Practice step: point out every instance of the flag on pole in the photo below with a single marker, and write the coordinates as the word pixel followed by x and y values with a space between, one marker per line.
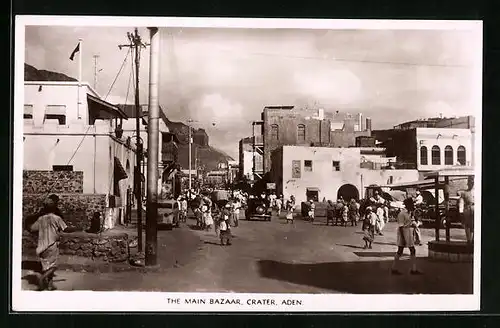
pixel 77 49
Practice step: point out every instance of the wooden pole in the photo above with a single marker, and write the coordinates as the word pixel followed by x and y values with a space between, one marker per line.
pixel 436 195
pixel 447 207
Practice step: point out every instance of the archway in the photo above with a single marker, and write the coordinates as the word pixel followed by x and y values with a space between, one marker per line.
pixel 348 191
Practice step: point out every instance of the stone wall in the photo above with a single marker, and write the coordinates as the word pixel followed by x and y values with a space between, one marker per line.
pixel 42 182
pixel 104 247
pixel 77 209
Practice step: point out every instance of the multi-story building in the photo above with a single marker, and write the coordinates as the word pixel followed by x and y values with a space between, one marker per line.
pixel 287 125
pixel 250 157
pixel 67 126
pixel 429 149
pixel 326 173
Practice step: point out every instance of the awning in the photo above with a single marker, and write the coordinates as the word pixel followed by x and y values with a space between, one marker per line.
pixel 312 189
pixel 100 109
pixel 458 171
pixel 412 184
pixel 120 172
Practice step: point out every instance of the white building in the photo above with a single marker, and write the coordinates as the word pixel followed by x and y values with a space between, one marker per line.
pixel 69 125
pixel 325 173
pixel 439 148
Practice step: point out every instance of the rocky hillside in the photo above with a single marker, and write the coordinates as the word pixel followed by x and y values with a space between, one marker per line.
pixel 33 74
pixel 208 157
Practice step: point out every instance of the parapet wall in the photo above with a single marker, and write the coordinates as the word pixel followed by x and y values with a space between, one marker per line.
pixel 43 182
pixel 105 247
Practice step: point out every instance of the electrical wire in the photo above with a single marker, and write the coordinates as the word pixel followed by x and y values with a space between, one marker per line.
pixel 362 61
pixel 129 79
pixel 69 161
pixel 117 75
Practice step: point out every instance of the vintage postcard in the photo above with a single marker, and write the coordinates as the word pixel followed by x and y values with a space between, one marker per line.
pixel 250 165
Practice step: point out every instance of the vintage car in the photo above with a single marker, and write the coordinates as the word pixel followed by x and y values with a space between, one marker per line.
pixel 168 213
pixel 258 208
pixel 426 211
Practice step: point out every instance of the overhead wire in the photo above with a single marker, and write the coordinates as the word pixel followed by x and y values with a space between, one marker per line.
pixel 69 161
pixel 117 75
pixel 326 58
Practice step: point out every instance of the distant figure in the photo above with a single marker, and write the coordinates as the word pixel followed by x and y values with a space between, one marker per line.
pixel 225 227
pixel 49 226
pixel 330 212
pixel 379 201
pixel 418 198
pixel 353 212
pixel 290 208
pixel 380 220
pixel 279 205
pixel 345 215
pixel 235 211
pixel 369 227
pixel 184 209
pixel 312 208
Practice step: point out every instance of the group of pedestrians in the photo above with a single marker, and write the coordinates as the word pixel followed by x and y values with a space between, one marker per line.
pixel 342 212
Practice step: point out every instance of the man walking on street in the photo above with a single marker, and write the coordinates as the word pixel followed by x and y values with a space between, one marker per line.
pixel 405 237
pixel 48 226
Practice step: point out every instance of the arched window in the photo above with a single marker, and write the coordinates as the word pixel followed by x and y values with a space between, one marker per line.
pixel 274 132
pixel 461 155
pixel 448 155
pixel 301 133
pixel 436 155
pixel 423 156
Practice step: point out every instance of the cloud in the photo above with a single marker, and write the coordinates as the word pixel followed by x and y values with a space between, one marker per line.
pixel 227 76
pixel 329 86
pixel 214 108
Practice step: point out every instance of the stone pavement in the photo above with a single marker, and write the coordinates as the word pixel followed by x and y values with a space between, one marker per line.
pixel 274 257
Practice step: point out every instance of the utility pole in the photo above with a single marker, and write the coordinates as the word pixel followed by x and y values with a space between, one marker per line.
pixel 189 150
pixel 153 146
pixel 136 44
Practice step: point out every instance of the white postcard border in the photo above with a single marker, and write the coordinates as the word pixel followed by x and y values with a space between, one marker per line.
pixel 152 301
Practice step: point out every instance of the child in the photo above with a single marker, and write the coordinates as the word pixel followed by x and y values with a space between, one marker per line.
pixel 290 206
pixel 224 227
pixel 345 215
pixel 311 210
pixel 48 226
pixel 369 228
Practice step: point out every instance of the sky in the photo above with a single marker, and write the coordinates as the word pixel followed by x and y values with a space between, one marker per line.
pixel 222 78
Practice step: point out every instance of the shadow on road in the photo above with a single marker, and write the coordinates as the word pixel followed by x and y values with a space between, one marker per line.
pixel 375 254
pixel 389 244
pixel 374 277
pixel 351 246
pixel 212 243
pixel 31 265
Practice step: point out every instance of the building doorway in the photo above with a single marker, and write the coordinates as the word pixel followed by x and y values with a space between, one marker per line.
pixel 348 192
pixel 312 194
